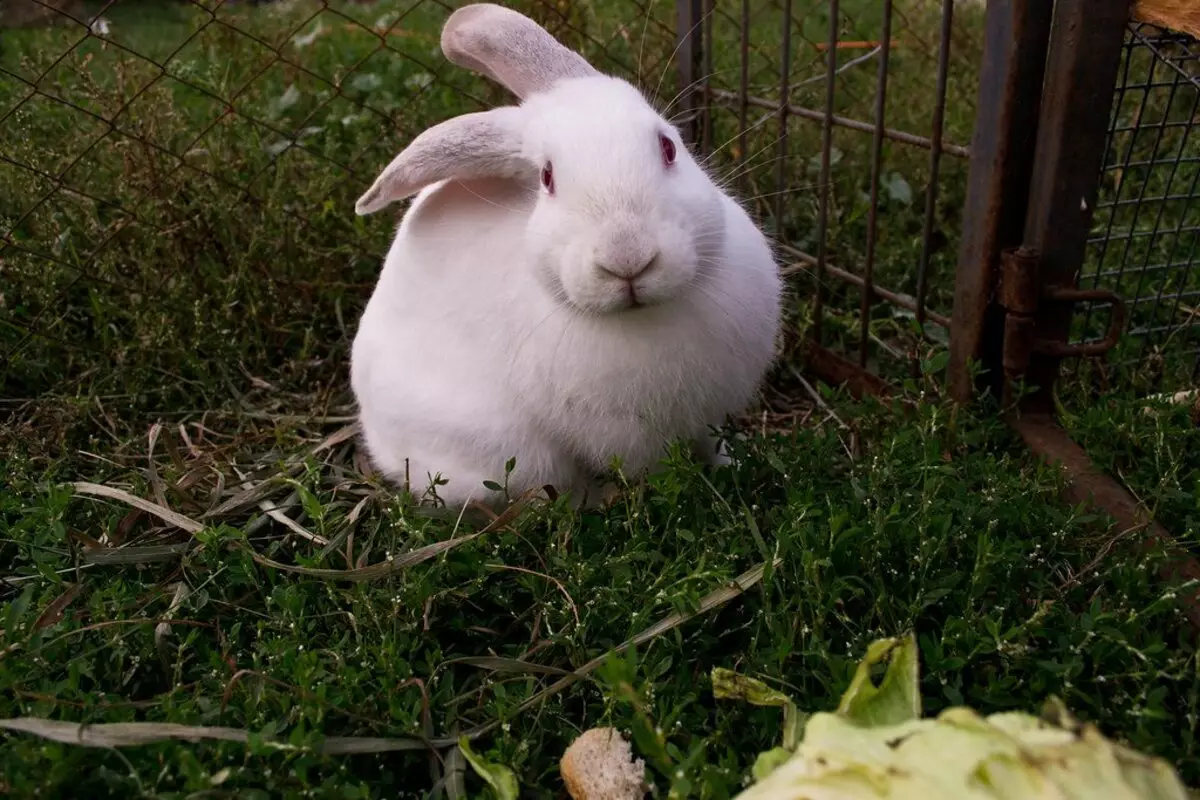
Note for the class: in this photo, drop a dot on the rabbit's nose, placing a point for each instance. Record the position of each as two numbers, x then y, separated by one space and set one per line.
627 269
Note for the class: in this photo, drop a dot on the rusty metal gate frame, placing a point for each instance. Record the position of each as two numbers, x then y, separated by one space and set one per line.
1037 156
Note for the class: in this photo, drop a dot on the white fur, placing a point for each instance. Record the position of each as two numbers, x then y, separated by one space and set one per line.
491 333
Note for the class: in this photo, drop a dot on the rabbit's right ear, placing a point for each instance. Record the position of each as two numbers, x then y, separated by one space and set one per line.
486 144
509 48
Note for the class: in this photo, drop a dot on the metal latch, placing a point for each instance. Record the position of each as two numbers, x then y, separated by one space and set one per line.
1021 292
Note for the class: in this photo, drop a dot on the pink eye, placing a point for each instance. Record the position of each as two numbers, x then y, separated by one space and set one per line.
668 149
548 177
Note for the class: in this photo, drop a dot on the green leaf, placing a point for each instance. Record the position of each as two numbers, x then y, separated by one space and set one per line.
937 363
18 607
897 698
776 462
493 486
651 743
308 501
729 685
366 81
898 189
768 761
499 777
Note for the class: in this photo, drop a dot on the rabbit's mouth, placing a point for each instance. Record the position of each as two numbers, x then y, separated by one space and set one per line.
634 301
613 302
584 288
632 304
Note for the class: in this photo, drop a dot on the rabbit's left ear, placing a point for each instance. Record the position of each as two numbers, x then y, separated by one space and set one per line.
510 48
486 144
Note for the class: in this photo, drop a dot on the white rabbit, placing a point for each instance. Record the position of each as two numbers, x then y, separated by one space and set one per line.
568 287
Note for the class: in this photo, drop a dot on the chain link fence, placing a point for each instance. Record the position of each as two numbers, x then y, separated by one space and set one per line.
177 179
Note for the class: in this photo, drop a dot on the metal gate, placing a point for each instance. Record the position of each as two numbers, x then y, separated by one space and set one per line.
1080 219
1042 213
1078 228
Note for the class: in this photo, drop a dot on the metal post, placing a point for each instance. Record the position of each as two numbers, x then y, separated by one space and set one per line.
1017 33
785 82
710 22
1081 75
689 33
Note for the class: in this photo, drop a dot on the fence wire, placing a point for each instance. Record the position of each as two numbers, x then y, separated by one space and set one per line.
1146 229
861 174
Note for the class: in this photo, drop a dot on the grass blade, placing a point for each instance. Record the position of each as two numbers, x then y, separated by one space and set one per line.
403 561
740 585
162 630
133 734
167 515
134 555
119 734
54 611
276 513
373 572
497 664
255 493
359 745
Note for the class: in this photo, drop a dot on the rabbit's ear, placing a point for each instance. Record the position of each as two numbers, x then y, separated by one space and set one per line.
509 48
486 144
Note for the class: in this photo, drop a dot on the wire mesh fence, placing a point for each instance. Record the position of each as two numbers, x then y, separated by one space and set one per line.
1147 222
860 175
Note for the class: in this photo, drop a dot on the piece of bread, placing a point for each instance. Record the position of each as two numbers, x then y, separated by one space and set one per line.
599 765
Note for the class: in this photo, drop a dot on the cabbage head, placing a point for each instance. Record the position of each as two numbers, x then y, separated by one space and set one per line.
877 745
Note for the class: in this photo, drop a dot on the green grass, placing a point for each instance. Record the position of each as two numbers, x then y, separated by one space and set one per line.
937 523
211 284
1153 448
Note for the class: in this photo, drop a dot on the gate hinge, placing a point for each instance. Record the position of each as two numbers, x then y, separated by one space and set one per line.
1022 292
